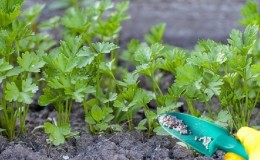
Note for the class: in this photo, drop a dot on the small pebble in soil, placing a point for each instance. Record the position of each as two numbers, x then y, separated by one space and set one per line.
205 140
173 123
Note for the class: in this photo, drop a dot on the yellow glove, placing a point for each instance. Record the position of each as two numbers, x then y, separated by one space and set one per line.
250 138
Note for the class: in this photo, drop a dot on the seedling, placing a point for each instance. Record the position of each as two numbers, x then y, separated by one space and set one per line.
19 66
84 69
57 134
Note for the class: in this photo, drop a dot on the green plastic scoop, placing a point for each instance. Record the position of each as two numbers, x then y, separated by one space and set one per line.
203 136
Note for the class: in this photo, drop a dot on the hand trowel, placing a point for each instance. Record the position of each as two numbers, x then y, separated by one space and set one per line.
203 136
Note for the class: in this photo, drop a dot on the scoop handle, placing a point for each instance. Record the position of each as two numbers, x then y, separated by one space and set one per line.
230 144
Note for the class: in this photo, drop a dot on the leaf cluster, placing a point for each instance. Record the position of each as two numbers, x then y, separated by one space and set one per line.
250 13
20 63
58 134
92 22
86 68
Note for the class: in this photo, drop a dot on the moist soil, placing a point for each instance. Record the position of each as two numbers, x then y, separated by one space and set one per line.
128 145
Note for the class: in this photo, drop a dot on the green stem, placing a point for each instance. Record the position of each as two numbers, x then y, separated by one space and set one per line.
66 120
9 121
241 120
98 76
209 109
147 110
66 112
59 114
17 48
130 121
86 110
114 53
245 108
23 110
233 123
256 100
192 109
117 88
156 87
70 108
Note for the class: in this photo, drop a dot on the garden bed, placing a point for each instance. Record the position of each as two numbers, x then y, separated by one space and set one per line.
155 82
116 146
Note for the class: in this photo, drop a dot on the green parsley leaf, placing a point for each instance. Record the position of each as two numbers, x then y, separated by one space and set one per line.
156 33
9 11
23 93
187 75
107 68
141 125
104 47
111 97
30 62
79 90
223 118
250 13
4 68
143 54
97 113
75 19
250 34
48 97
33 13
57 134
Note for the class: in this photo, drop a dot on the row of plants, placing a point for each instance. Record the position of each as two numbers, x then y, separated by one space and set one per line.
89 68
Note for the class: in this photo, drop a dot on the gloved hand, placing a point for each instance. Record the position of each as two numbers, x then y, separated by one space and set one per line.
250 138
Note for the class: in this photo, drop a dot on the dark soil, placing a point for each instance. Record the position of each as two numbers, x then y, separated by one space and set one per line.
133 145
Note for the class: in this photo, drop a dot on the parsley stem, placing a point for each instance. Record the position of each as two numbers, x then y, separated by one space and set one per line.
256 100
156 87
130 120
23 110
17 48
9 119
192 109
149 121
209 109
114 53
